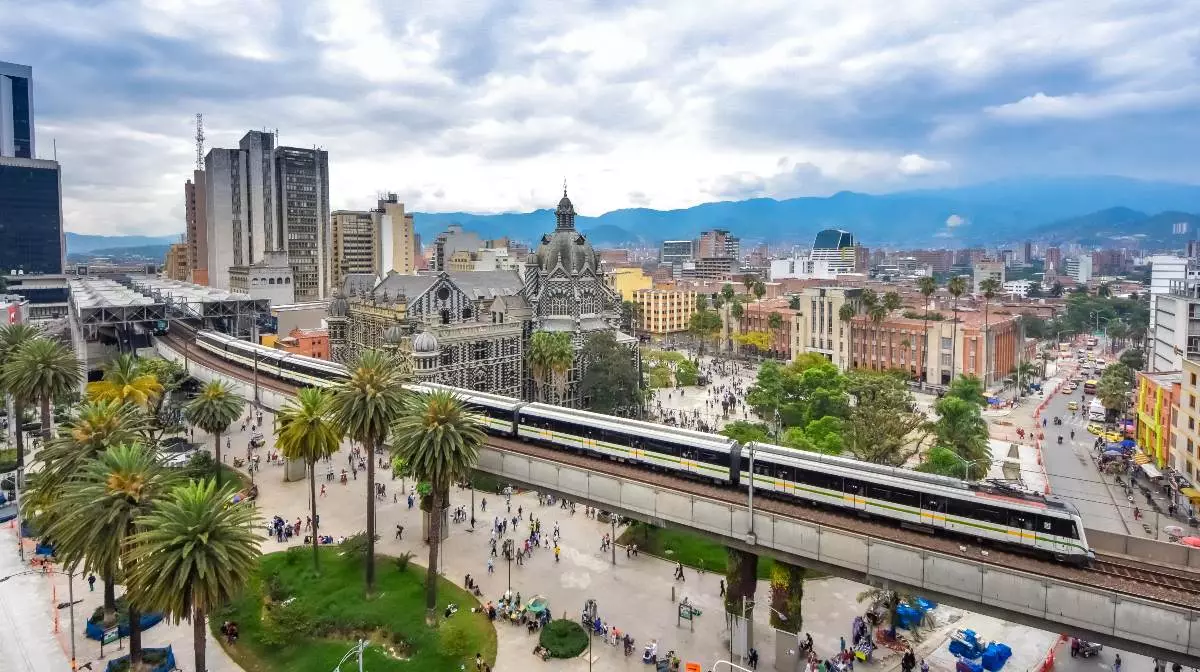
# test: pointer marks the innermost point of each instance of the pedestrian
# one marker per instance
(478, 663)
(753, 652)
(556, 552)
(1117, 664)
(322, 489)
(400, 532)
(91, 583)
(491, 567)
(723, 595)
(483, 505)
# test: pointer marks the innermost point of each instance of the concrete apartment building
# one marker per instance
(816, 327)
(196, 219)
(269, 278)
(175, 266)
(355, 245)
(717, 243)
(398, 241)
(1175, 335)
(1185, 432)
(987, 269)
(452, 240)
(261, 198)
(665, 311)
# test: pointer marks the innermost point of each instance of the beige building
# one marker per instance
(816, 327)
(628, 279)
(988, 269)
(397, 240)
(176, 266)
(355, 244)
(1186, 431)
(665, 311)
(196, 217)
(461, 261)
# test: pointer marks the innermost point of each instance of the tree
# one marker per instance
(799, 397)
(957, 286)
(610, 383)
(1035, 291)
(775, 324)
(877, 313)
(744, 432)
(126, 381)
(550, 358)
(846, 312)
(193, 554)
(727, 292)
(704, 324)
(305, 429)
(701, 302)
(171, 376)
(1056, 290)
(961, 428)
(94, 522)
(12, 338)
(439, 440)
(42, 369)
(945, 462)
(759, 290)
(96, 427)
(1103, 290)
(748, 281)
(968, 388)
(988, 287)
(892, 301)
(1022, 372)
(1133, 358)
(214, 410)
(759, 340)
(884, 425)
(794, 303)
(927, 285)
(823, 435)
(366, 404)
(869, 297)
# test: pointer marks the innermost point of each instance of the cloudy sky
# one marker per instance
(486, 105)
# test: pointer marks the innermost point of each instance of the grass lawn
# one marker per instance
(690, 549)
(8, 459)
(328, 612)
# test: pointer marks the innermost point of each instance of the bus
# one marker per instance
(1091, 341)
(1096, 412)
(1089, 387)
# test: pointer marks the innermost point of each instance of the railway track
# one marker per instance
(1112, 574)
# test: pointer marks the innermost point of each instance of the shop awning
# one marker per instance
(1191, 493)
(1151, 470)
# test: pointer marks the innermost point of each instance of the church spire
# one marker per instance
(565, 214)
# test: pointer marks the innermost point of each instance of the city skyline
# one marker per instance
(487, 114)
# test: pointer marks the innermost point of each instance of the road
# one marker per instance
(1074, 475)
(26, 615)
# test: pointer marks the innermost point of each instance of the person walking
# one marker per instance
(399, 532)
(557, 550)
(1117, 664)
(723, 593)
(491, 567)
(91, 583)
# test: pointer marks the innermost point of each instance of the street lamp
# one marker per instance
(612, 539)
(508, 555)
(968, 463)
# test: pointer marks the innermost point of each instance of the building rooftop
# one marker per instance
(1163, 378)
(103, 293)
(183, 291)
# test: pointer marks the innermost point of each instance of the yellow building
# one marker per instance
(176, 266)
(1157, 403)
(1186, 431)
(627, 280)
(460, 262)
(664, 311)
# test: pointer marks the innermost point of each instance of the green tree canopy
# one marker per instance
(1134, 358)
(744, 432)
(961, 428)
(214, 410)
(968, 388)
(610, 382)
(884, 425)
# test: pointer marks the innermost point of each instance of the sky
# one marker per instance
(489, 105)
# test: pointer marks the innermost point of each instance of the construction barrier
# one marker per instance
(1047, 663)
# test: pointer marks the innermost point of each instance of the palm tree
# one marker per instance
(365, 405)
(42, 369)
(759, 290)
(1023, 371)
(988, 287)
(727, 292)
(12, 338)
(927, 285)
(957, 287)
(95, 519)
(869, 297)
(892, 301)
(439, 440)
(749, 280)
(774, 323)
(846, 312)
(125, 381)
(193, 553)
(1056, 290)
(97, 427)
(305, 429)
(877, 313)
(214, 410)
(550, 357)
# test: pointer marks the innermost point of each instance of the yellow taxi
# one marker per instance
(1098, 430)
(1072, 405)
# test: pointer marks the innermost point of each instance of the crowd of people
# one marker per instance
(724, 397)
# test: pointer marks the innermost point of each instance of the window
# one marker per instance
(445, 316)
(946, 343)
(945, 360)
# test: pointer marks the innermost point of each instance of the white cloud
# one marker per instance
(954, 221)
(486, 105)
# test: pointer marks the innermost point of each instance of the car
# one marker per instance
(1100, 362)
(1095, 429)
(1112, 437)
(1072, 405)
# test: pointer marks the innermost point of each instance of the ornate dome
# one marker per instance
(425, 342)
(393, 335)
(566, 246)
(339, 306)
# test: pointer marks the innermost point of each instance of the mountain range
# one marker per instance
(1088, 210)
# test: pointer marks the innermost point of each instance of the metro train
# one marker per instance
(1005, 516)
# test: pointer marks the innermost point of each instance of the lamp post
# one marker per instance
(508, 556)
(612, 539)
(967, 464)
(750, 496)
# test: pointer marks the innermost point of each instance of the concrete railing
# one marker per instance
(1148, 550)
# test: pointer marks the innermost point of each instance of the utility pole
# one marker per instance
(612, 539)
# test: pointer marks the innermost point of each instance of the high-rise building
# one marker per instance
(261, 219)
(16, 111)
(1053, 259)
(397, 240)
(175, 266)
(302, 211)
(197, 228)
(452, 240)
(836, 248)
(355, 245)
(717, 243)
(1027, 252)
(984, 270)
(1080, 268)
(226, 196)
(677, 251)
(31, 224)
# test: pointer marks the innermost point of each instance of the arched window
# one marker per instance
(466, 313)
(287, 281)
(271, 281)
(445, 316)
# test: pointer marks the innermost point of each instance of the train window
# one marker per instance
(852, 487)
(785, 473)
(1022, 521)
(989, 514)
(933, 504)
(714, 457)
(763, 468)
(819, 479)
(1058, 527)
(906, 498)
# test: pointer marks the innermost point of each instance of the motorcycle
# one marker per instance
(1084, 649)
(1060, 440)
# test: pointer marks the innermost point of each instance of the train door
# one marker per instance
(854, 494)
(1022, 527)
(933, 511)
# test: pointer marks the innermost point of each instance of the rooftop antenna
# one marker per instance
(199, 141)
